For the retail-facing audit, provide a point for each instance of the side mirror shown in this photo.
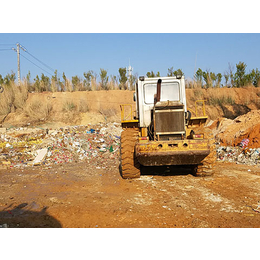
(134, 96)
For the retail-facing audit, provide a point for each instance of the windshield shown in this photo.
(169, 91)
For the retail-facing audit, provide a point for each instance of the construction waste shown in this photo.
(22, 147)
(239, 155)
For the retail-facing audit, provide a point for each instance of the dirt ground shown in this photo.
(92, 196)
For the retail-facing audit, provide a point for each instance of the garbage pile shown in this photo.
(93, 143)
(239, 139)
(240, 154)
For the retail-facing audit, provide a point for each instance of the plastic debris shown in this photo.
(239, 155)
(244, 143)
(41, 154)
(22, 147)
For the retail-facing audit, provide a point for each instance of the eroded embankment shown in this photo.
(82, 107)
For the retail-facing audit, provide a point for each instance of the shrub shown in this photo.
(68, 106)
(221, 100)
(83, 106)
(38, 110)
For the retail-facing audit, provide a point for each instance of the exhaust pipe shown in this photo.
(158, 92)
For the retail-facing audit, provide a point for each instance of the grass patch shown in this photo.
(221, 100)
(68, 106)
(83, 106)
(38, 111)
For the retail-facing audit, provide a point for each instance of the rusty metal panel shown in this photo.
(169, 121)
(172, 158)
(178, 152)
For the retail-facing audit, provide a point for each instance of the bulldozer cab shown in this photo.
(172, 91)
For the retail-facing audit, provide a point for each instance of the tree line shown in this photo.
(102, 81)
(232, 78)
(89, 81)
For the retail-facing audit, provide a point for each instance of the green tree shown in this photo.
(88, 77)
(75, 80)
(28, 77)
(150, 74)
(219, 78)
(9, 78)
(178, 72)
(199, 76)
(212, 78)
(249, 78)
(122, 78)
(104, 78)
(44, 83)
(56, 80)
(36, 85)
(256, 77)
(226, 76)
(28, 81)
(207, 79)
(239, 78)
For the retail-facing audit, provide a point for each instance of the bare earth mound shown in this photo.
(232, 132)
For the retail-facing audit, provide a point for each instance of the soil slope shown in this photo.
(79, 108)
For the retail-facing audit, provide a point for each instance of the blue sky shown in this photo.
(75, 53)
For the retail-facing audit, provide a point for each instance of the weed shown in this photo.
(221, 100)
(83, 106)
(197, 93)
(68, 106)
(13, 97)
(38, 110)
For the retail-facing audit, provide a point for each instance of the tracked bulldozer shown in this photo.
(161, 131)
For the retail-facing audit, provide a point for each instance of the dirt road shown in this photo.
(83, 195)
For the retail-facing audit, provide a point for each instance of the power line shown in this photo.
(36, 65)
(40, 61)
(25, 50)
(5, 49)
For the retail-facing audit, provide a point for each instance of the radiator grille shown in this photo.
(169, 121)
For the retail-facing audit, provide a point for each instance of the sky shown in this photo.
(76, 53)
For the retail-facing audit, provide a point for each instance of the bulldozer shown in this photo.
(161, 131)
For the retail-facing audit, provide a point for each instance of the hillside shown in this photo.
(83, 107)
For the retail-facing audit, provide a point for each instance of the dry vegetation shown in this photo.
(226, 102)
(104, 105)
(13, 99)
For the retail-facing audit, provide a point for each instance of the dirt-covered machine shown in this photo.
(161, 131)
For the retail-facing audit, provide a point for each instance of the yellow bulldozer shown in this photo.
(161, 131)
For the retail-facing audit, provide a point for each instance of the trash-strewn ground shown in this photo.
(69, 177)
(23, 147)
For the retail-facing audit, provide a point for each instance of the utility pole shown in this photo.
(129, 70)
(18, 62)
(18, 46)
